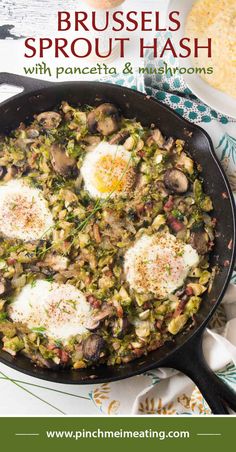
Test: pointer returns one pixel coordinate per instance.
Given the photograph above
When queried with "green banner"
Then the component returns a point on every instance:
(111, 434)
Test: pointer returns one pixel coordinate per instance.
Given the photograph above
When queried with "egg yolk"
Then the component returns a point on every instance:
(111, 174)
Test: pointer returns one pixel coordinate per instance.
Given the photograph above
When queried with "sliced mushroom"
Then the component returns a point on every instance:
(169, 144)
(200, 241)
(120, 137)
(62, 163)
(32, 133)
(3, 286)
(2, 171)
(96, 320)
(93, 324)
(120, 327)
(94, 347)
(161, 189)
(11, 173)
(104, 119)
(92, 121)
(49, 119)
(156, 137)
(176, 181)
(23, 143)
(91, 141)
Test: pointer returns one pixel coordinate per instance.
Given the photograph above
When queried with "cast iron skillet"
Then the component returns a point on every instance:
(185, 353)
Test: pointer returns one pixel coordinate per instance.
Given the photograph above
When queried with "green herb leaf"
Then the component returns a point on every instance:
(177, 214)
(3, 316)
(38, 330)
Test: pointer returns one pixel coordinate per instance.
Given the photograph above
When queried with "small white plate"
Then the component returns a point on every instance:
(216, 99)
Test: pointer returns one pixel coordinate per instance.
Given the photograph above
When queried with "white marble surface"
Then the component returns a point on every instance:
(36, 18)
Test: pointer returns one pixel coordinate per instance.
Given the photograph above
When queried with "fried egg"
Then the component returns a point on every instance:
(159, 264)
(24, 213)
(108, 170)
(57, 310)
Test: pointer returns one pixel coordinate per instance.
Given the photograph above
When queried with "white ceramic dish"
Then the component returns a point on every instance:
(216, 99)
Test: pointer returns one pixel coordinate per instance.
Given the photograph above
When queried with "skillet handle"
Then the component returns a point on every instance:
(191, 361)
(27, 83)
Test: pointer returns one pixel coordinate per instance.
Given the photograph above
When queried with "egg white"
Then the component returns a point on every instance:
(159, 264)
(121, 171)
(59, 310)
(24, 213)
